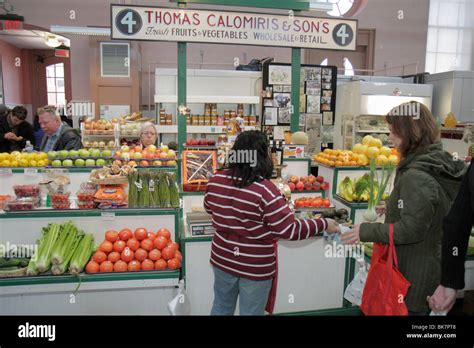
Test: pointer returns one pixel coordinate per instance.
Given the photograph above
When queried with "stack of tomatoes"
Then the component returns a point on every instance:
(312, 202)
(135, 251)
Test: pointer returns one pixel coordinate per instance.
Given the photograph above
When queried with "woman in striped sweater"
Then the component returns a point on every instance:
(250, 214)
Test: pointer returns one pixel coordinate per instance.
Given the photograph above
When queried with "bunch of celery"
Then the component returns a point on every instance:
(41, 261)
(377, 188)
(82, 254)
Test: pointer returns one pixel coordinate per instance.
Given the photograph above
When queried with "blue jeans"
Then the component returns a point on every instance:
(253, 294)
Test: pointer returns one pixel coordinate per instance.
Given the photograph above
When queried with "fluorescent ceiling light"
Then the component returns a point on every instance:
(52, 41)
(320, 5)
(90, 31)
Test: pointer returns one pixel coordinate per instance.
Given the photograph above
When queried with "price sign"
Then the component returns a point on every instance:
(108, 216)
(6, 171)
(31, 172)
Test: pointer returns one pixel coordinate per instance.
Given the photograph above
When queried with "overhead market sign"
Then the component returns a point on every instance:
(187, 25)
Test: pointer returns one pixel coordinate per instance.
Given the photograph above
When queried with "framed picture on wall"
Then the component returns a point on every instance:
(287, 89)
(327, 118)
(313, 74)
(282, 99)
(313, 104)
(327, 85)
(278, 88)
(271, 116)
(279, 75)
(268, 102)
(284, 116)
(279, 132)
(327, 93)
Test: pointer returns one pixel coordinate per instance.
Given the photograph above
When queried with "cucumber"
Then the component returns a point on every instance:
(13, 262)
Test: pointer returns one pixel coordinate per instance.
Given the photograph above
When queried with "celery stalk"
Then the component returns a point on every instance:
(63, 266)
(64, 244)
(82, 254)
(43, 261)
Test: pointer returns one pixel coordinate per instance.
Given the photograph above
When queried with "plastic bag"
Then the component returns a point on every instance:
(354, 290)
(180, 305)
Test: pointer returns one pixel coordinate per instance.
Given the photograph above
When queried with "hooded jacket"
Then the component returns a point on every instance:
(425, 186)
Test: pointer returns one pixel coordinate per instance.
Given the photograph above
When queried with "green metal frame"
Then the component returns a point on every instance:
(86, 278)
(89, 213)
(284, 5)
(295, 89)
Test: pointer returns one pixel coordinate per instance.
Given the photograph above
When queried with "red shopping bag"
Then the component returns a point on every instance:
(385, 288)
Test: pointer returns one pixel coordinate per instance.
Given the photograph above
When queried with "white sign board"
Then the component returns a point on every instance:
(187, 25)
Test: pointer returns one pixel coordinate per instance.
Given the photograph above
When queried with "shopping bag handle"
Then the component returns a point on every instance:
(392, 247)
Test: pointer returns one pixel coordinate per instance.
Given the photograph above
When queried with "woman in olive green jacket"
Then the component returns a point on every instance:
(426, 183)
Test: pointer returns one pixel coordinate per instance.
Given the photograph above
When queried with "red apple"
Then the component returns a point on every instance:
(300, 186)
(292, 186)
(320, 179)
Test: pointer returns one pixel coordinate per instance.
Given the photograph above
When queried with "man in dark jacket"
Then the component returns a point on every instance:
(58, 136)
(6, 129)
(21, 128)
(457, 226)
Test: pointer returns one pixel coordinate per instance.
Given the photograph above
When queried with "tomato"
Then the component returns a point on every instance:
(106, 246)
(168, 253)
(125, 234)
(174, 263)
(318, 202)
(120, 266)
(160, 264)
(298, 204)
(134, 266)
(173, 245)
(113, 256)
(141, 254)
(326, 203)
(133, 244)
(119, 246)
(127, 255)
(147, 244)
(164, 233)
(111, 236)
(148, 265)
(106, 266)
(161, 242)
(154, 255)
(99, 257)
(141, 234)
(151, 236)
(92, 267)
(179, 256)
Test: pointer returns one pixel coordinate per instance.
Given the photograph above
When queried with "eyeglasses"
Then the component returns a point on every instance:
(149, 134)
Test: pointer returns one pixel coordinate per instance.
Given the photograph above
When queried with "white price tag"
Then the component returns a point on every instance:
(108, 216)
(6, 171)
(31, 171)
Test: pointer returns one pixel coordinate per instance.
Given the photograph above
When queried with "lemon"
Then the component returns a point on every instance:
(363, 159)
(32, 163)
(386, 151)
(372, 152)
(393, 159)
(5, 163)
(4, 156)
(42, 156)
(367, 139)
(381, 160)
(376, 142)
(357, 148)
(41, 163)
(23, 163)
(14, 164)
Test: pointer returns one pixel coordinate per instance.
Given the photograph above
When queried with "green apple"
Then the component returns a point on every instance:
(106, 153)
(63, 154)
(100, 162)
(137, 155)
(56, 163)
(151, 148)
(67, 163)
(73, 154)
(52, 155)
(125, 148)
(94, 152)
(84, 153)
(79, 162)
(90, 163)
(164, 148)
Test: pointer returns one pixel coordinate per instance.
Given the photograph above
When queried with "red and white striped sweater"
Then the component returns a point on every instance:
(248, 221)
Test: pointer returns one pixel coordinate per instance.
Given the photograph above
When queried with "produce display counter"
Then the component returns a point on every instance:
(307, 279)
(88, 294)
(10, 177)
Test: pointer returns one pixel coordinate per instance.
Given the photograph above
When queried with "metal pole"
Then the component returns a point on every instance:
(295, 88)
